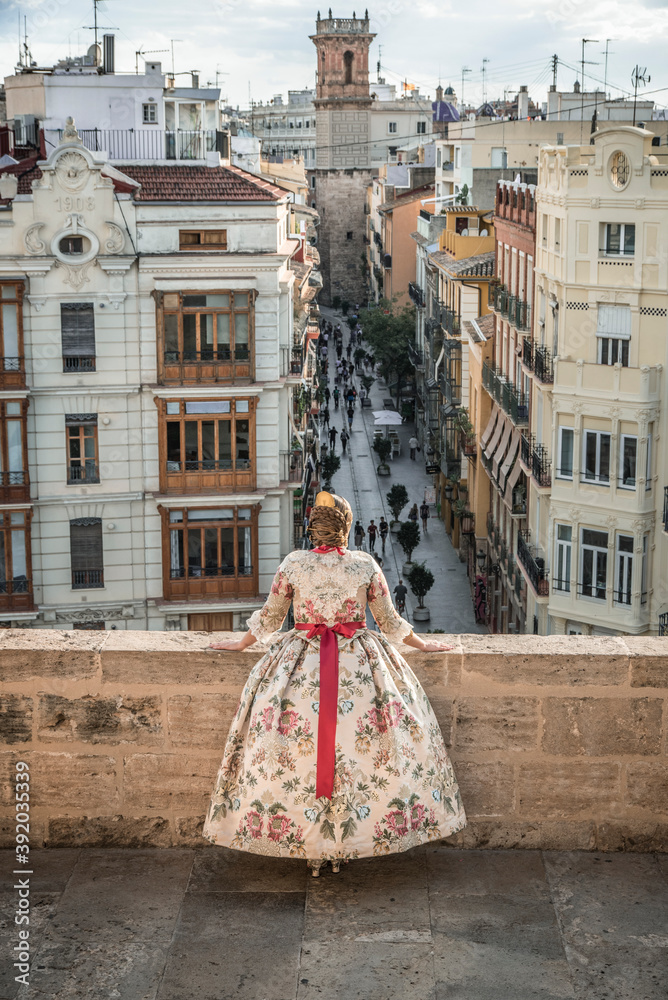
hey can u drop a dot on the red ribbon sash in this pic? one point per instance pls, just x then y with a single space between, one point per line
329 698
323 549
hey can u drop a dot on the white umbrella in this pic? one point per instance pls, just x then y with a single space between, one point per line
387 418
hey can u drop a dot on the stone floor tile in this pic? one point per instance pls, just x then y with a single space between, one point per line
516 874
235 946
373 899
51 867
366 971
223 870
613 911
42 909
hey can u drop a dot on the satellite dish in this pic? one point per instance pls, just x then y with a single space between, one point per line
483 232
464 232
471 116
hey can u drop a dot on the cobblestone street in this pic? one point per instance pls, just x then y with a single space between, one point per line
449 601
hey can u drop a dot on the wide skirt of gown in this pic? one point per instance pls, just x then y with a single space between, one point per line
394 785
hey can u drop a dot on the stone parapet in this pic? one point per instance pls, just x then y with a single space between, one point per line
558 742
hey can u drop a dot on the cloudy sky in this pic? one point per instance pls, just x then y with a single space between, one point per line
263 48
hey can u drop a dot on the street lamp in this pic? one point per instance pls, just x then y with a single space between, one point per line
448 490
481 558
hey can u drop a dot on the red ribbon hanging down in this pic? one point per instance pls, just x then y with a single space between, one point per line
323 549
329 698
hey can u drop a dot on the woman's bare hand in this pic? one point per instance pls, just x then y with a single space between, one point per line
231 644
435 647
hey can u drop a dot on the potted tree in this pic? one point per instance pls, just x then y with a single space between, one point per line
382 446
408 537
420 580
466 519
367 381
331 464
397 499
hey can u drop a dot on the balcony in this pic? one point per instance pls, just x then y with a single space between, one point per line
151 144
450 387
527 353
469 445
292 467
507 395
84 363
206 366
519 313
377 239
519 502
87 579
500 299
535 461
291 362
89 472
12 373
416 294
450 322
416 356
532 564
14 487
543 365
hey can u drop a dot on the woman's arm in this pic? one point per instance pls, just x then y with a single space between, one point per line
235 644
425 647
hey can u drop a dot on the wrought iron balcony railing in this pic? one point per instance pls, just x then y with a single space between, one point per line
533 564
85 579
506 394
543 366
534 458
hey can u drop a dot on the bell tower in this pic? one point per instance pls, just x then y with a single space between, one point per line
343 150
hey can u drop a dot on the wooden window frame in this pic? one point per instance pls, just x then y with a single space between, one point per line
192 477
81 468
210 366
12 369
16 595
204 239
92 577
14 483
184 587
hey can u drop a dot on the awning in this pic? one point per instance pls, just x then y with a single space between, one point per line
503 446
510 458
487 433
496 437
513 477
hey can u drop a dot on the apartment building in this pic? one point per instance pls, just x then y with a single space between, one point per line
152 434
584 520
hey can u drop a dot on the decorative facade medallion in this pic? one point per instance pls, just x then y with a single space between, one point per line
33 243
72 171
115 241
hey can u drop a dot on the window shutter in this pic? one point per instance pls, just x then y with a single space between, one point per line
614 321
77 324
86 543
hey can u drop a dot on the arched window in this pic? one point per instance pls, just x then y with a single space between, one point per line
348 63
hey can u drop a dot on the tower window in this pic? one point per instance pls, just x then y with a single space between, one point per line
348 58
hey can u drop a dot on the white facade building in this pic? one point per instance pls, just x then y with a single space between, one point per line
146 392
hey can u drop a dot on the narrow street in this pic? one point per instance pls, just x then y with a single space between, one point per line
449 601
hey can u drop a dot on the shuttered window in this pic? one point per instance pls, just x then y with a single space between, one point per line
86 553
77 324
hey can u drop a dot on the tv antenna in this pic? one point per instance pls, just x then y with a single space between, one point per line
145 52
606 52
171 42
465 72
638 76
93 27
484 90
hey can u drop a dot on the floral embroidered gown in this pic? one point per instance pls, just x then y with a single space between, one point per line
394 786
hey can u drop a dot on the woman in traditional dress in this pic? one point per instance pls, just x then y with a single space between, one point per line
334 752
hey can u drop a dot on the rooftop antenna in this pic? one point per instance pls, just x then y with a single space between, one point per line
585 41
145 52
93 27
638 76
465 72
380 52
555 66
605 74
171 42
484 90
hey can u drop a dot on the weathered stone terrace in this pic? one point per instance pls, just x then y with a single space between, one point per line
559 743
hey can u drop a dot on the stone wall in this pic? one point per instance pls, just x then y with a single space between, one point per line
557 742
340 197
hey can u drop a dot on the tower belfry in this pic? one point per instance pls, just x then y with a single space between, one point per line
343 148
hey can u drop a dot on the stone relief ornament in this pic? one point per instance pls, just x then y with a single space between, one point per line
76 276
70 133
115 242
33 243
72 171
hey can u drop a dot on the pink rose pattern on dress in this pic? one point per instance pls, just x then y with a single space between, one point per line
394 785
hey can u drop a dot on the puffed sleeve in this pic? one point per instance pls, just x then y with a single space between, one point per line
269 618
388 618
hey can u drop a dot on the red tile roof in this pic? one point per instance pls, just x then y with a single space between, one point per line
197 183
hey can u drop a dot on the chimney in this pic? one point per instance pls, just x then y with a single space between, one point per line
552 102
195 80
523 103
109 55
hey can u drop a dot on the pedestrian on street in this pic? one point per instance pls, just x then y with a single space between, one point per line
400 593
325 413
339 350
332 439
349 348
424 514
383 529
354 392
351 414
359 535
372 531
413 513
344 437
414 446
336 395
327 393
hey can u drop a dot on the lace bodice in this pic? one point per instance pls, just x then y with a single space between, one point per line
326 588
